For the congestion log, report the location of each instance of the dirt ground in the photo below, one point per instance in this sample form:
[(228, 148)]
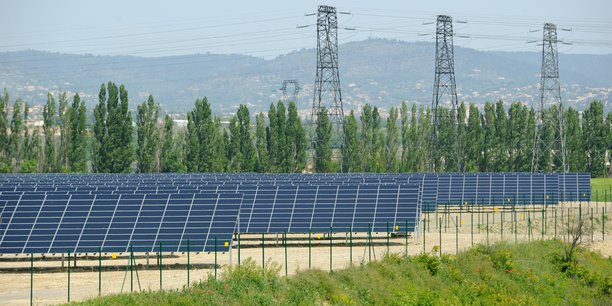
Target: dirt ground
[(449, 232)]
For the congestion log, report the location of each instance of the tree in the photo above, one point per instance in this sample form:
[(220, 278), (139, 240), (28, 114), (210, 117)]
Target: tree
[(595, 139), (473, 140), (170, 158), (350, 148), (148, 136), (296, 140), (49, 120), (113, 151), (461, 131), (4, 103), (282, 151), (31, 145), (77, 136), (501, 123), (575, 146), (246, 143), (261, 144), (200, 146), (392, 142), (272, 139), (406, 161), (489, 141), (63, 124), (323, 142), (15, 144)]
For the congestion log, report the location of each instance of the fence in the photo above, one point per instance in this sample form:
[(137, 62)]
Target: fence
[(56, 278)]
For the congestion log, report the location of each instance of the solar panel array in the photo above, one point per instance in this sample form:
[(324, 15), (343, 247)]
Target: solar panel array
[(245, 203), (44, 223)]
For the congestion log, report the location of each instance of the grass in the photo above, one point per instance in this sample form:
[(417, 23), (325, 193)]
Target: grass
[(601, 189), (500, 274)]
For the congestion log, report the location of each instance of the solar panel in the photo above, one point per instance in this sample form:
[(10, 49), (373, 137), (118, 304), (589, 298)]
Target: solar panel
[(41, 223)]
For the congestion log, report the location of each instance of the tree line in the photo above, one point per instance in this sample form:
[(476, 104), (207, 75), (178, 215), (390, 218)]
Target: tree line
[(493, 140)]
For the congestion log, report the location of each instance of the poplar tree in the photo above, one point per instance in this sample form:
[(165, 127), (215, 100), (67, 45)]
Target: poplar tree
[(77, 136), (112, 128), (4, 103), (473, 140), (323, 143), (575, 146), (49, 120), (170, 158), (350, 148), (296, 140), (392, 142), (272, 139), (63, 124), (15, 144), (261, 144), (148, 136), (595, 139)]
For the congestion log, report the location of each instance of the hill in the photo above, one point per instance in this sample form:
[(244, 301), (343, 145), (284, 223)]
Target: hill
[(377, 71)]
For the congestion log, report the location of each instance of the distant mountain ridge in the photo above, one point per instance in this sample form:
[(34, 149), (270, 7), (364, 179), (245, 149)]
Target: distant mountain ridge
[(377, 71)]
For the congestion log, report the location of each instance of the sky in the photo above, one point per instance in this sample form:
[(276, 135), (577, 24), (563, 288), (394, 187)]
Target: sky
[(269, 28)]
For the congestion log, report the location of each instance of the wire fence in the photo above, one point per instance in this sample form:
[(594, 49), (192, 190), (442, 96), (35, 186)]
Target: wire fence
[(56, 278)]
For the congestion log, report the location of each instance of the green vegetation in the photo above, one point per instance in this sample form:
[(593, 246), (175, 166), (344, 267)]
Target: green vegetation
[(534, 273), (499, 139), (601, 189)]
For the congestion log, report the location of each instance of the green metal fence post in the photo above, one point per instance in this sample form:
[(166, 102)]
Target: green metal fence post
[(528, 227), (331, 255), (603, 223), (472, 227), (542, 224), (440, 236), (99, 271), (501, 224), (31, 279), (424, 225), (215, 257), (263, 251), (351, 244), (369, 242), (238, 248), (160, 266), (406, 245), (131, 269), (68, 276), (487, 229), (387, 238), (285, 244), (188, 262), (309, 248), (456, 235), (592, 225), (555, 216)]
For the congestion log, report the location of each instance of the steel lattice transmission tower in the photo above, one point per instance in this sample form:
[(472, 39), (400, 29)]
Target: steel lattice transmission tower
[(327, 82), (550, 94), (444, 84), (296, 90)]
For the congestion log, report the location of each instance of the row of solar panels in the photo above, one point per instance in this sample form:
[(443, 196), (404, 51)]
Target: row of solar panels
[(39, 222), (439, 188)]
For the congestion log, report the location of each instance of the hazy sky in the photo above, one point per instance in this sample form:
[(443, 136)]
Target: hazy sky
[(268, 28)]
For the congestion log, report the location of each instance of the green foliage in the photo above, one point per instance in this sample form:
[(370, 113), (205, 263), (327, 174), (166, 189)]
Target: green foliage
[(482, 275), (595, 138), (113, 151), (261, 144), (49, 123), (392, 142), (350, 148), (4, 103), (323, 143), (170, 155), (77, 136), (148, 136)]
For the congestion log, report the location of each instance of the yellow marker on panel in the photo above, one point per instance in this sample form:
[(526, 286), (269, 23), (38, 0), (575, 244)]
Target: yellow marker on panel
[(226, 243), (114, 255), (397, 228), (318, 236)]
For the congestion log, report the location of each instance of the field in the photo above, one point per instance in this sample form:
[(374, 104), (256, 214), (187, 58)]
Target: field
[(447, 233), (601, 189)]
